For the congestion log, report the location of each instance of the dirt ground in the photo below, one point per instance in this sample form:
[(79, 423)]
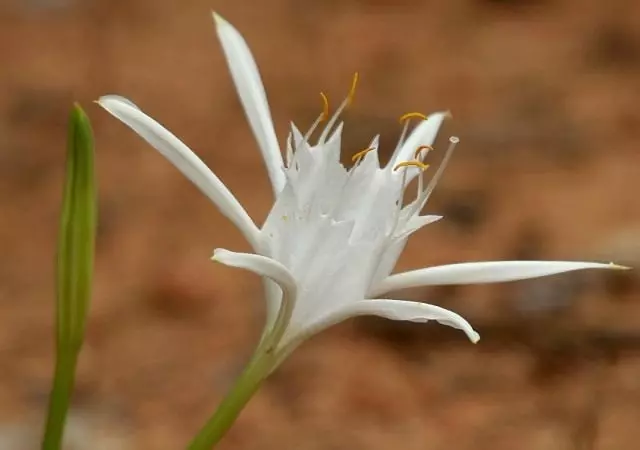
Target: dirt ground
[(545, 97)]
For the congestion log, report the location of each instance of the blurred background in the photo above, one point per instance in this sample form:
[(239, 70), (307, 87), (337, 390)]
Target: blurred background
[(545, 96)]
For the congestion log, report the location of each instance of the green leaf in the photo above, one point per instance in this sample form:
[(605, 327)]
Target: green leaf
[(76, 238), (74, 271)]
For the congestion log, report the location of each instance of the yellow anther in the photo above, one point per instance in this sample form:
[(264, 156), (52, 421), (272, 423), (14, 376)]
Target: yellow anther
[(418, 153), (420, 165), (361, 153), (412, 115), (325, 107), (352, 91)]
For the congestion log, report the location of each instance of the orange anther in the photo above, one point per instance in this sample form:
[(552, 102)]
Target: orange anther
[(412, 115), (325, 107), (418, 153), (360, 154), (420, 165)]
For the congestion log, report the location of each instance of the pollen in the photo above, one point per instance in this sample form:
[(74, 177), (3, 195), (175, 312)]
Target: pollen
[(423, 148), (352, 91), (412, 115), (360, 154), (415, 163), (325, 107)]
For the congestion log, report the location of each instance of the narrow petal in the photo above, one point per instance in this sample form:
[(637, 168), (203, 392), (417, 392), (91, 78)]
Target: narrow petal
[(268, 268), (246, 78), (481, 272), (185, 160), (387, 308), (413, 312), (415, 223), (260, 265)]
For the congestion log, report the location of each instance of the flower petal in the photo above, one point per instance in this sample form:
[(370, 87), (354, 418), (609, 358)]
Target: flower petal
[(413, 312), (185, 160), (246, 78), (268, 268), (414, 223), (481, 272), (387, 308)]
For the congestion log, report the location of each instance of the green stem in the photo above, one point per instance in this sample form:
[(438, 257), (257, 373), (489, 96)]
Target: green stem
[(63, 381), (231, 406)]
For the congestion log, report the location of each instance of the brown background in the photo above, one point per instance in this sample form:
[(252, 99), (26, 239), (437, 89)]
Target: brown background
[(546, 100)]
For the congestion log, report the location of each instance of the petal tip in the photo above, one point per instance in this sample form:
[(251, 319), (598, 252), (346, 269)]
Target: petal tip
[(218, 19), (102, 100), (110, 100), (107, 102), (615, 266), (219, 254), (474, 337)]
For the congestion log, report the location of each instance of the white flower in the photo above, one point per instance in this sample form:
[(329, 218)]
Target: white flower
[(333, 235)]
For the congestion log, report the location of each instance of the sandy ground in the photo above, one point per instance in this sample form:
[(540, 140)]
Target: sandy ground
[(545, 98)]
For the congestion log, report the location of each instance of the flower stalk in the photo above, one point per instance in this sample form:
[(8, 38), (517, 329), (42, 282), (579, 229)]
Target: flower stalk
[(261, 364)]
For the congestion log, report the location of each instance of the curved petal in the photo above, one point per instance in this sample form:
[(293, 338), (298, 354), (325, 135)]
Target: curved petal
[(185, 160), (481, 272), (413, 312), (246, 78), (387, 308), (268, 268)]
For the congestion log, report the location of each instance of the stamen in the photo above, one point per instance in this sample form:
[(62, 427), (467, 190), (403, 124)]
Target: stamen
[(345, 103), (403, 134), (313, 127), (325, 107), (424, 195), (352, 91), (418, 153), (403, 186), (358, 156), (415, 163), (412, 115), (453, 141), (405, 119), (324, 115)]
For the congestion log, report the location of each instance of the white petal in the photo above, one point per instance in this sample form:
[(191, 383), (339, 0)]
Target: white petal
[(268, 268), (389, 309), (185, 160), (260, 265), (246, 78), (415, 223), (388, 260), (413, 312), (481, 272)]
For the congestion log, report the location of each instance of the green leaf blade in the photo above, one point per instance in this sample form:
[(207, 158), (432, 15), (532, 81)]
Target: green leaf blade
[(74, 269)]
